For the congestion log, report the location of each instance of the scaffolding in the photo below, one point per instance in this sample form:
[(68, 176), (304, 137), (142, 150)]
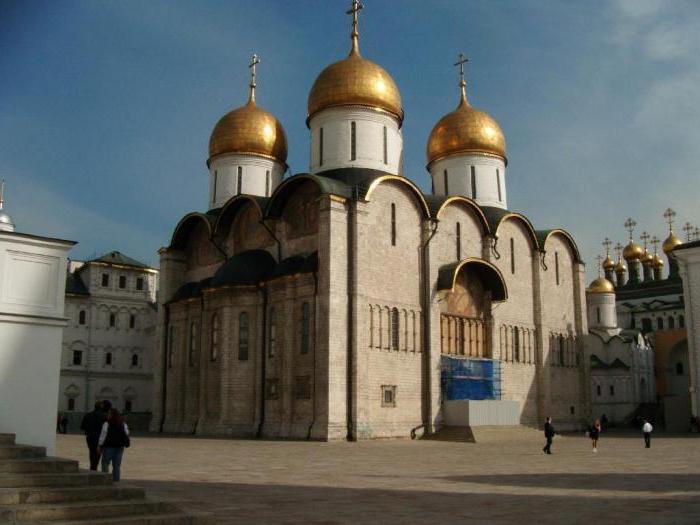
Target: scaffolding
[(468, 378)]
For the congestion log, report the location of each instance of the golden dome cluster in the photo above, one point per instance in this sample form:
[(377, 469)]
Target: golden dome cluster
[(463, 131), (601, 285)]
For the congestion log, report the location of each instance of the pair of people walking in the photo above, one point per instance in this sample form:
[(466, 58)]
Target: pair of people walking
[(593, 432), (107, 435)]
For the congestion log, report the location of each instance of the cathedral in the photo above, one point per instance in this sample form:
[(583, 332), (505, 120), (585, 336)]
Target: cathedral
[(344, 303)]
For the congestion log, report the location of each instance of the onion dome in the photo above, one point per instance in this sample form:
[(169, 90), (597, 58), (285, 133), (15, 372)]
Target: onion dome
[(6, 224), (647, 258), (249, 130), (658, 262), (633, 252), (670, 243), (465, 130), (620, 267), (601, 285), (355, 81), (608, 263)]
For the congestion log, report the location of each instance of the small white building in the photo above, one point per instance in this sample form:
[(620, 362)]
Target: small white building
[(621, 361), (32, 279), (109, 341)]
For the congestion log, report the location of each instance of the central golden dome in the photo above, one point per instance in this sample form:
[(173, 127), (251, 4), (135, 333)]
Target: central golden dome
[(601, 285), (633, 252), (355, 81), (647, 258), (249, 129), (670, 243), (608, 263), (465, 130)]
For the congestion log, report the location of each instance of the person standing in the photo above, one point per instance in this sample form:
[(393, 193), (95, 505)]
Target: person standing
[(595, 434), (114, 438), (548, 434), (647, 429), (92, 426)]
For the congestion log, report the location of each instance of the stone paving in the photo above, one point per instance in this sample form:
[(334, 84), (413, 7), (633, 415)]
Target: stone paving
[(505, 478)]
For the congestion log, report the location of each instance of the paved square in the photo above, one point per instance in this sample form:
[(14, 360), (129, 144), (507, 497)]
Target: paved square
[(505, 480)]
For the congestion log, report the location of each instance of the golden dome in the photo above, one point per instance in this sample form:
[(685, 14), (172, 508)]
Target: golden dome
[(355, 81), (658, 261), (670, 243), (465, 130), (620, 267), (647, 258), (601, 285), (633, 252), (608, 263), (249, 129)]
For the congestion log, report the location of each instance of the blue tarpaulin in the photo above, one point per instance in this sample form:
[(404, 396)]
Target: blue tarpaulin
[(468, 378)]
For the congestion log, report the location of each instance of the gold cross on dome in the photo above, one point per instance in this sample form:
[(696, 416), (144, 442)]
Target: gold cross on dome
[(354, 10), (655, 243), (697, 234), (618, 249), (254, 61), (599, 258), (688, 229), (2, 193), (669, 215), (630, 223), (460, 62), (645, 237), (607, 243)]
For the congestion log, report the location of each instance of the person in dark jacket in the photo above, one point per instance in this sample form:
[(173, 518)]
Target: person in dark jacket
[(548, 434), (92, 426), (114, 438)]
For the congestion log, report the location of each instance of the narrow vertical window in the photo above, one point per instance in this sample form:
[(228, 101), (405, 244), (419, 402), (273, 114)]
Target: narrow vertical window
[(305, 327), (214, 342), (216, 177), (112, 320), (320, 147), (473, 178), (192, 345), (122, 281), (135, 360), (105, 279), (446, 184), (660, 323), (681, 321), (458, 234), (267, 183), (671, 323), (353, 141), (597, 313), (239, 189), (393, 224), (108, 358), (171, 345), (272, 334), (132, 321), (243, 331), (556, 266), (385, 147), (139, 283), (81, 317), (516, 344), (498, 183), (512, 255), (395, 329)]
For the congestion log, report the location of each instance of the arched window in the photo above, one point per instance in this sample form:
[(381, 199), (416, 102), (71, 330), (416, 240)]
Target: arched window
[(512, 255), (385, 147), (112, 320), (473, 179), (681, 321), (272, 334), (498, 184), (597, 312), (562, 346), (108, 358), (646, 325), (243, 332), (516, 344), (135, 360), (612, 390), (556, 266), (660, 323), (446, 183), (171, 345), (267, 183), (305, 327), (671, 323), (82, 316), (458, 234), (193, 344), (320, 147), (353, 141), (216, 176), (679, 369), (239, 182), (393, 224), (214, 342), (394, 329), (132, 321), (598, 390)]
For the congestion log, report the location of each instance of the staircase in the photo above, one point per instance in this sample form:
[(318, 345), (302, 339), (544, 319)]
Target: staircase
[(36, 489), (454, 434)]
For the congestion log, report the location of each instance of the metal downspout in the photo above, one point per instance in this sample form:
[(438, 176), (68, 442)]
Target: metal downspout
[(427, 349), (351, 277), (313, 398), (263, 349)]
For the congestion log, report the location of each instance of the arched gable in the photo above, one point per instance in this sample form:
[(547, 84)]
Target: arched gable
[(524, 222), (457, 200), (283, 192), (186, 226), (545, 235), (490, 275), (232, 207), (413, 189)]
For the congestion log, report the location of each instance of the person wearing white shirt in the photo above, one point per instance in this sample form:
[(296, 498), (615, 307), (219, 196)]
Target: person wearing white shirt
[(114, 438), (647, 428)]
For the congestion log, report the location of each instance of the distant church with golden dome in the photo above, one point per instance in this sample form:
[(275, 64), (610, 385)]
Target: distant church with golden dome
[(344, 303)]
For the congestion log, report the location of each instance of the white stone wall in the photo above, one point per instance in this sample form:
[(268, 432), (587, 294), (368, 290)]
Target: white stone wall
[(490, 175), (369, 140), (689, 265), (601, 306), (259, 176)]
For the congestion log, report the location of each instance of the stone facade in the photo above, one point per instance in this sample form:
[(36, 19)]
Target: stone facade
[(688, 257)]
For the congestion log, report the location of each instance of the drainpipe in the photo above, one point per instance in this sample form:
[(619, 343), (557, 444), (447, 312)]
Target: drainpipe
[(164, 373), (427, 349), (351, 281), (313, 398), (263, 348)]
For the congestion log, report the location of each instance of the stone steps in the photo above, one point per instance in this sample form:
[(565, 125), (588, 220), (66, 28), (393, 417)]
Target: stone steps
[(68, 494), (142, 519), (454, 434), (57, 479), (21, 452), (83, 510), (37, 465)]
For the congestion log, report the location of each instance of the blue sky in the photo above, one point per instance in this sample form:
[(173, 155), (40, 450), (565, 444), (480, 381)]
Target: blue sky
[(106, 107)]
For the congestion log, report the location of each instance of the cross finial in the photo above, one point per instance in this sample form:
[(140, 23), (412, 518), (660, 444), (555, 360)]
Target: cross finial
[(254, 61), (688, 229), (2, 193), (461, 60), (618, 249), (669, 215), (607, 243), (697, 234), (354, 10), (630, 223), (655, 243), (599, 258), (645, 237)]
